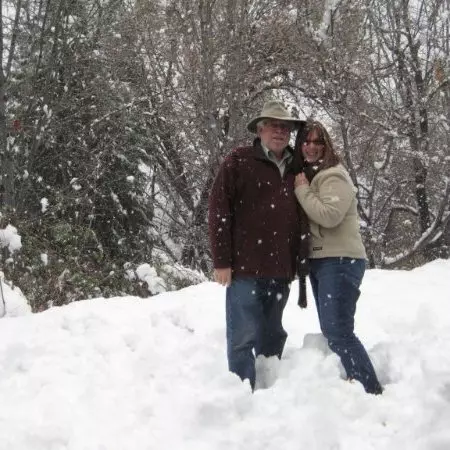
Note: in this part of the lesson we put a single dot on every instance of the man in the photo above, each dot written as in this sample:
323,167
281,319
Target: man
255,234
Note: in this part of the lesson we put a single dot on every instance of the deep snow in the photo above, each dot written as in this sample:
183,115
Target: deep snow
131,373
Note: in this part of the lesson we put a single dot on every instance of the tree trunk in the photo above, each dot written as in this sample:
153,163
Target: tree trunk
7,173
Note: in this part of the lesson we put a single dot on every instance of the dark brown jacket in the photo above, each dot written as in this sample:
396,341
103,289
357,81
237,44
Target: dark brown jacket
254,217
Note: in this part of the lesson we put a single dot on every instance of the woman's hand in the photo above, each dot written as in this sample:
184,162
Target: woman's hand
301,179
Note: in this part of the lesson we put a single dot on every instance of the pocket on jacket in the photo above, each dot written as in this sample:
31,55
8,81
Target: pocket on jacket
316,230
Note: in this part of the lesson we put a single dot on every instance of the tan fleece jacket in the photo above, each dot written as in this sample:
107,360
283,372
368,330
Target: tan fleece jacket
331,205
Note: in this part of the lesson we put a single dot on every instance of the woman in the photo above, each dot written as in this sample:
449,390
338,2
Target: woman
337,255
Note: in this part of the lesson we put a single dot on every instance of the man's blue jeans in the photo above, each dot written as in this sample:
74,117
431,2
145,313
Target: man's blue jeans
254,310
335,283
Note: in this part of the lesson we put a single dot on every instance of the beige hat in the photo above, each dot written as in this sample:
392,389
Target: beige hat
274,109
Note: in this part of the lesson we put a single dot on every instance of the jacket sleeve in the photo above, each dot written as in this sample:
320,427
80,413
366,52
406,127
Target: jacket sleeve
330,204
220,215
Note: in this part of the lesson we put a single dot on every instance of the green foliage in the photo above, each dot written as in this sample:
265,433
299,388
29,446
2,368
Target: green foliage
60,263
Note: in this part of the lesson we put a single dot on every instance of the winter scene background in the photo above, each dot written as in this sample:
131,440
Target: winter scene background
114,118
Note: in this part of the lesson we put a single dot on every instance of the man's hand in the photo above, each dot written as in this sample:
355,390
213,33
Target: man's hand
223,276
301,179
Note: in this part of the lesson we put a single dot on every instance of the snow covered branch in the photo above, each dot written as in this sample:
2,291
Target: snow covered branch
441,220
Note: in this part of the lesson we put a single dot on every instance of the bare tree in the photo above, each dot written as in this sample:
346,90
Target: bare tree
9,13
372,70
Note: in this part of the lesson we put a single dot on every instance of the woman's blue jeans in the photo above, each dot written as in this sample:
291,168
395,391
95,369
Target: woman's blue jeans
335,283
254,310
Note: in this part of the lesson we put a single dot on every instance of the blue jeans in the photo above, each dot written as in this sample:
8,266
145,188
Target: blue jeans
335,283
254,310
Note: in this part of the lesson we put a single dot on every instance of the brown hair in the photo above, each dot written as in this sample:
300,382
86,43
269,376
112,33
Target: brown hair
330,157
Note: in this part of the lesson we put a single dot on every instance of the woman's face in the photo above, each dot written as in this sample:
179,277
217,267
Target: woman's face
313,147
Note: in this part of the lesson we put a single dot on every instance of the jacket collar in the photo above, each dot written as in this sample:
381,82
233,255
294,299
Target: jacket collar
259,153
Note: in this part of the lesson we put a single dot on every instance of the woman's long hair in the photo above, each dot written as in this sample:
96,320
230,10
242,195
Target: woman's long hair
330,158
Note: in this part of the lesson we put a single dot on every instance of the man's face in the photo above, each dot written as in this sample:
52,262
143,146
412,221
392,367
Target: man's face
275,134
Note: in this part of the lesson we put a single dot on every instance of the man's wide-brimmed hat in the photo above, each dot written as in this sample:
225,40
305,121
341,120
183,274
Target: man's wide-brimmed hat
274,109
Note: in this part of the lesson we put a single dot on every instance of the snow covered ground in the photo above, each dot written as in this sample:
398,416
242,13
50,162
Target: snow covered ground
151,374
